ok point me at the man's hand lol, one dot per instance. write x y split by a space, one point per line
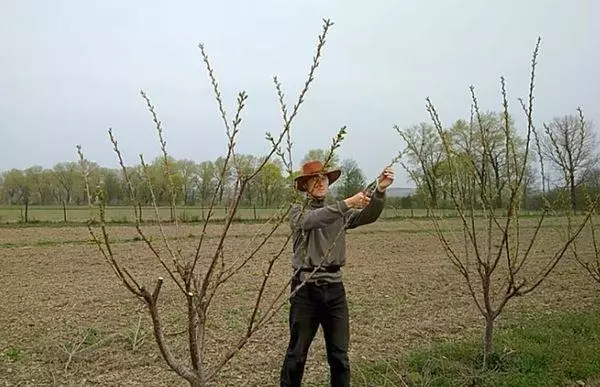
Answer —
385 179
360 200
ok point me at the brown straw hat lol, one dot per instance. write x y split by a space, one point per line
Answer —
315 168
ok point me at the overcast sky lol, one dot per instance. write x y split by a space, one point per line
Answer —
71 69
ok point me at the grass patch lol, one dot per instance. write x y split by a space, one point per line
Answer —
554 350
13 354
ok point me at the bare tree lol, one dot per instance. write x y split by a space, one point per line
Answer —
569 144
199 287
491 255
425 153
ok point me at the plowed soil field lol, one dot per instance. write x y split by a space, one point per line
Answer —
66 319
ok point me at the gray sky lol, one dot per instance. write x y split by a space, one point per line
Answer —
71 69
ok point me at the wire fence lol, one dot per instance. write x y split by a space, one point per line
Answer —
125 214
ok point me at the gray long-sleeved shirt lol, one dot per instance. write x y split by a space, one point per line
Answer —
320 233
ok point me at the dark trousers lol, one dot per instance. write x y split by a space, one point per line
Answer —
313 305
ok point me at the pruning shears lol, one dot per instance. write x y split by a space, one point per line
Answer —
369 190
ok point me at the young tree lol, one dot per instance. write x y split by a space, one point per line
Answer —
492 257
199 287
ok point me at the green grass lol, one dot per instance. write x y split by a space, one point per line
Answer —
549 351
13 354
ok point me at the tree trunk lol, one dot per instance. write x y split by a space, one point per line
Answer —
196 383
266 198
64 206
498 185
488 340
498 201
573 194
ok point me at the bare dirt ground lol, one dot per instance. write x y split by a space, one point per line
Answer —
402 292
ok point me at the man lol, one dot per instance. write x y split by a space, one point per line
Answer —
320 242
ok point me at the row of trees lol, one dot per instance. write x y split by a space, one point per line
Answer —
564 158
194 182
565 154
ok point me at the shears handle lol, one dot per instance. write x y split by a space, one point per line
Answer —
370 189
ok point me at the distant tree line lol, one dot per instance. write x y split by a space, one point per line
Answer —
194 182
566 153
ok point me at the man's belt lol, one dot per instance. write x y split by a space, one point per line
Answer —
327 269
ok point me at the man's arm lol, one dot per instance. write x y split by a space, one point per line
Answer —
370 213
317 218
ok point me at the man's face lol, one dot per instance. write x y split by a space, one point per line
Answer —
317 186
